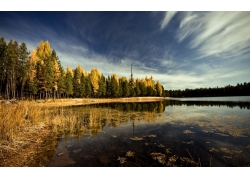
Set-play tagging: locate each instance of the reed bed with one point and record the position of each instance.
(24, 128)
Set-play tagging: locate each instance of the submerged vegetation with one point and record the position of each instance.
(40, 75)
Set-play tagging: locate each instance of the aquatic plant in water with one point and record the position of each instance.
(187, 132)
(168, 150)
(159, 156)
(161, 146)
(130, 154)
(136, 138)
(152, 135)
(122, 159)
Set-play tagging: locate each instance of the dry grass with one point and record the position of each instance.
(86, 101)
(24, 128)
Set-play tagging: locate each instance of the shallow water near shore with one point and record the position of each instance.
(166, 133)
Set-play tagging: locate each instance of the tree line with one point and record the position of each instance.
(229, 90)
(39, 75)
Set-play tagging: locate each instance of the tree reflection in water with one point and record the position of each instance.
(156, 133)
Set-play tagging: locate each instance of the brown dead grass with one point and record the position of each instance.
(86, 101)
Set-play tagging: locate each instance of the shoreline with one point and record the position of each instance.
(89, 101)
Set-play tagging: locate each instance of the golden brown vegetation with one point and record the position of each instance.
(29, 129)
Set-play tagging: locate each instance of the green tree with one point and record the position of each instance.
(77, 81)
(45, 68)
(69, 82)
(61, 82)
(11, 68)
(3, 54)
(56, 68)
(32, 78)
(137, 87)
(88, 86)
(23, 67)
(102, 87)
(125, 87)
(82, 86)
(108, 86)
(159, 89)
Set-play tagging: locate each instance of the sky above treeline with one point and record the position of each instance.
(180, 49)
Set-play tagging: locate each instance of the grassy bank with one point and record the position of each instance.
(25, 127)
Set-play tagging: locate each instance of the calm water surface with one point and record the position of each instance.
(227, 98)
(168, 133)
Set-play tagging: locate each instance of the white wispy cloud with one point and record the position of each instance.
(168, 16)
(223, 34)
(188, 25)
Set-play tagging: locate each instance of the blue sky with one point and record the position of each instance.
(180, 49)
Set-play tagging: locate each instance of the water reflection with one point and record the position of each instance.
(166, 133)
(188, 102)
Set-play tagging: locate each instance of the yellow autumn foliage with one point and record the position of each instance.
(94, 78)
(32, 68)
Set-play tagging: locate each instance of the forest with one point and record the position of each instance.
(39, 75)
(229, 90)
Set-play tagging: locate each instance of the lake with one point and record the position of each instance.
(175, 132)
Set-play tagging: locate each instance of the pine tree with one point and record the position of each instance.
(56, 68)
(125, 87)
(82, 86)
(108, 86)
(102, 87)
(23, 67)
(45, 68)
(77, 81)
(61, 82)
(3, 54)
(11, 68)
(32, 78)
(87, 86)
(137, 87)
(69, 82)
